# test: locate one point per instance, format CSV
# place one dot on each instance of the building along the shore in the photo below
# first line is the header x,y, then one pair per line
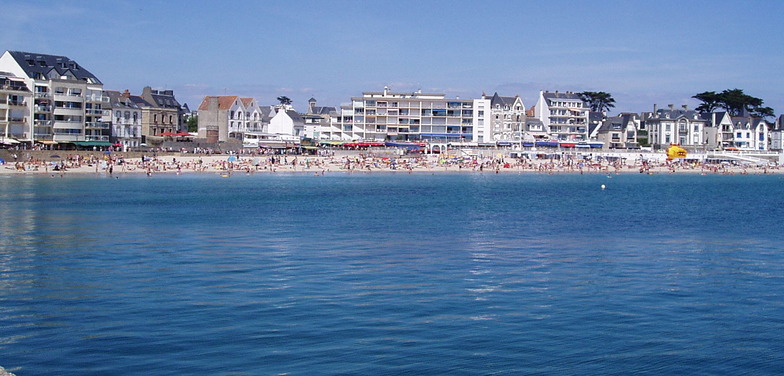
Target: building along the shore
x,y
67,100
410,116
564,115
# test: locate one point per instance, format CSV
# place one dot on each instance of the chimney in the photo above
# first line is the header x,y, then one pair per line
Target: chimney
x,y
655,108
671,106
685,107
126,94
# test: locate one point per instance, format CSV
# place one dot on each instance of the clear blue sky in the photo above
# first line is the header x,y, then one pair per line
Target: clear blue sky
x,y
642,52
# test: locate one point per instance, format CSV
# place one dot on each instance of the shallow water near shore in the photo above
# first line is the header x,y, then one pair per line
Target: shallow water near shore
x,y
390,273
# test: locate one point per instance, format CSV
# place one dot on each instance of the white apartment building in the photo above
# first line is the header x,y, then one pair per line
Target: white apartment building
x,y
564,115
388,115
14,113
126,120
67,101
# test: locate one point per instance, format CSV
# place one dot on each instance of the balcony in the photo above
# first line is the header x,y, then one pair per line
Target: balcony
x,y
43,108
66,96
14,88
96,138
43,137
42,123
96,98
68,111
44,94
96,125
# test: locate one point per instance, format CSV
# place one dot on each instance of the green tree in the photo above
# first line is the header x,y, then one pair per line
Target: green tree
x,y
735,102
193,124
598,101
710,101
284,100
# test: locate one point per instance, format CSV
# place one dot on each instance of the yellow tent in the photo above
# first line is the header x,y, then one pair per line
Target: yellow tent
x,y
675,151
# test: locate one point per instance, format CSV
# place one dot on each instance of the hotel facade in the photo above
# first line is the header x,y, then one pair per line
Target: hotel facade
x,y
67,100
406,116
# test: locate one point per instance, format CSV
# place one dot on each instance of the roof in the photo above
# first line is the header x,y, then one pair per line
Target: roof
x,y
118,101
561,95
497,99
323,111
674,114
246,101
294,115
160,99
224,102
139,101
37,65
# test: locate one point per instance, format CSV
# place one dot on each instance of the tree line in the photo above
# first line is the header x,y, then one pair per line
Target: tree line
x,y
734,101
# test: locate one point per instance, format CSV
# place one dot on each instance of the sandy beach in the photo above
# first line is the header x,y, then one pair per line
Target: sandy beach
x,y
227,165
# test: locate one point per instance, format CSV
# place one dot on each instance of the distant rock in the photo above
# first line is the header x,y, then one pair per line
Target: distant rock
x,y
3,372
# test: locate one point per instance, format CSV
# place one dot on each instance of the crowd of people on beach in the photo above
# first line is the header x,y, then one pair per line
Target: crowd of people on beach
x,y
319,164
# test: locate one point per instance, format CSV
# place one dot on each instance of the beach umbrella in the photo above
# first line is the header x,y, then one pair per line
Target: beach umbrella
x,y
232,158
2,161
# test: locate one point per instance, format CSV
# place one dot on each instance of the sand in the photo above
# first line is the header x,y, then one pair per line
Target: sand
x,y
318,165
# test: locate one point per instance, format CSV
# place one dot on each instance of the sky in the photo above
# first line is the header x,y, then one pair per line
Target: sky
x,y
641,52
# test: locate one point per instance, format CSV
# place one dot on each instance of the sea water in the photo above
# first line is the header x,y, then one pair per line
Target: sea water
x,y
391,273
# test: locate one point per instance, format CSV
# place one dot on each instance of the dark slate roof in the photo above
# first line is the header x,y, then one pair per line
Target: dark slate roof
x,y
294,115
160,98
118,101
560,95
51,66
752,122
595,116
629,117
497,99
674,114
140,101
533,121
324,111
265,113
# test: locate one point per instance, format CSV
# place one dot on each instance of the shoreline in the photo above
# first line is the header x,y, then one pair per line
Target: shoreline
x,y
319,165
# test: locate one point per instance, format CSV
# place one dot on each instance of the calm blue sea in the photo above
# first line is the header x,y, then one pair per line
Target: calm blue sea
x,y
392,274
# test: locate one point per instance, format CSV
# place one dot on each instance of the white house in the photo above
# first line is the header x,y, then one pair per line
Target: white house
x,y
675,126
287,122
